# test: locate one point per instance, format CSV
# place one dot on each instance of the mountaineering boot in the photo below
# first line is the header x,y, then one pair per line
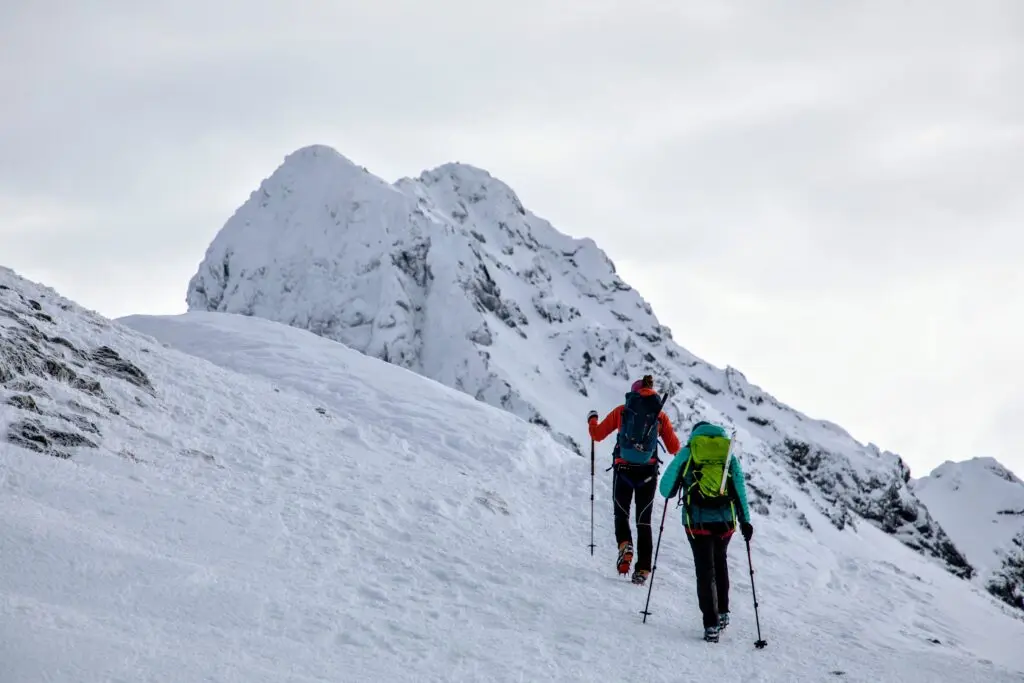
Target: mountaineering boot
x,y
625,557
723,621
640,576
711,634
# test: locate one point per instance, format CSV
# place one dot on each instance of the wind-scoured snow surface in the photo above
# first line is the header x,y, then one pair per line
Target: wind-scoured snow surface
x,y
256,503
450,276
981,504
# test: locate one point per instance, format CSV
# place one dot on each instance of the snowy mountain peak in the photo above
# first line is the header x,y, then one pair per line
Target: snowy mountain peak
x,y
321,170
447,274
973,469
980,503
464,183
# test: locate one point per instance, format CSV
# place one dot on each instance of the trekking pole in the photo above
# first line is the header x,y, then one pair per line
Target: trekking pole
x,y
654,565
759,643
591,496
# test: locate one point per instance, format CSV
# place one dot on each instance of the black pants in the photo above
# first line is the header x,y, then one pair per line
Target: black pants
x,y
640,482
712,568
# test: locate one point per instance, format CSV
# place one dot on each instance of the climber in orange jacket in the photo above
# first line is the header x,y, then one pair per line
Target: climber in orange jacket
x,y
639,422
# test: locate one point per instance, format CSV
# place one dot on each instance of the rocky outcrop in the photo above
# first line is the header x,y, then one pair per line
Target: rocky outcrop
x,y
55,388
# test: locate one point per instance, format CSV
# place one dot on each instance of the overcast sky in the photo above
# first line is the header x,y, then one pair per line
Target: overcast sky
x,y
828,196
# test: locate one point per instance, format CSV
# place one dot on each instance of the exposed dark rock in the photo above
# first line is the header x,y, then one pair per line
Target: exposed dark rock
x,y
87,385
22,353
26,386
538,420
23,402
649,337
59,371
8,313
413,262
81,408
81,422
554,311
840,492
487,295
36,436
705,386
61,341
1007,583
115,366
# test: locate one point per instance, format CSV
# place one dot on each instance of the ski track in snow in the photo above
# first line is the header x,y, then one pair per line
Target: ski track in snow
x,y
407,533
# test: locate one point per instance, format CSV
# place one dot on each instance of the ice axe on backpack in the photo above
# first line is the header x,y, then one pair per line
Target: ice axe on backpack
x,y
651,426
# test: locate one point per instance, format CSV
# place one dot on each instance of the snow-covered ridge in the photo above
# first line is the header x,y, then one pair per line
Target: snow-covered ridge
x,y
981,504
270,505
449,275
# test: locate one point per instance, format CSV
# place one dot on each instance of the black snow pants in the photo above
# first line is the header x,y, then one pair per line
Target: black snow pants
x,y
712,568
639,482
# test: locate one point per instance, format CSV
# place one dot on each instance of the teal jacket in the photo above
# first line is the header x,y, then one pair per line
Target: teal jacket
x,y
694,516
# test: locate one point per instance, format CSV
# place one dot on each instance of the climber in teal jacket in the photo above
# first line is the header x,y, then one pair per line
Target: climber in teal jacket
x,y
702,517
714,497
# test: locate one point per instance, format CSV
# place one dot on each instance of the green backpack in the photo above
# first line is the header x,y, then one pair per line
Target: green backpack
x,y
709,461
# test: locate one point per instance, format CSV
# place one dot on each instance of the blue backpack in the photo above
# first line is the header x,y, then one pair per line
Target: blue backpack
x,y
637,442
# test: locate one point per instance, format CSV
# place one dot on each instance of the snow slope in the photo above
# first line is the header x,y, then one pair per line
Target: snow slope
x,y
450,276
981,504
278,507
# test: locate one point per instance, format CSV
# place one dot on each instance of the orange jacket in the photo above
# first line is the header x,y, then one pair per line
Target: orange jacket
x,y
611,423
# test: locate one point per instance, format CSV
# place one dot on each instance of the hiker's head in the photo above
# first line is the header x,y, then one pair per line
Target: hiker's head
x,y
646,383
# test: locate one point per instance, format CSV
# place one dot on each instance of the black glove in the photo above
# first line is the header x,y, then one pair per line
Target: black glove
x,y
747,530
592,415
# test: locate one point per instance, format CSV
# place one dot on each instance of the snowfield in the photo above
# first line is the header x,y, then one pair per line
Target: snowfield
x,y
234,499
